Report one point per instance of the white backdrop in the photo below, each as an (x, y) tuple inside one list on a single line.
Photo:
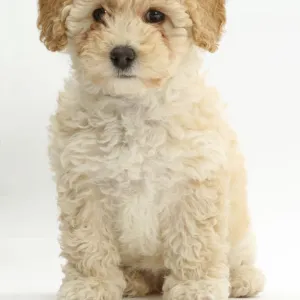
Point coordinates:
[(257, 72)]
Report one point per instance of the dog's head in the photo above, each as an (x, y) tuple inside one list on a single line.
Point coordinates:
[(130, 40)]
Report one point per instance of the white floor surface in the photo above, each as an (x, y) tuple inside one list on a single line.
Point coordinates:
[(52, 297)]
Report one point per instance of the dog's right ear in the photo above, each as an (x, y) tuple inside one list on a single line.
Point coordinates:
[(51, 22)]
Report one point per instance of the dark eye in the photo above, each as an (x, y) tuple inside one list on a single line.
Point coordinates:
[(98, 14), (154, 16)]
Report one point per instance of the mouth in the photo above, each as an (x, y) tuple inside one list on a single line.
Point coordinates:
[(125, 76)]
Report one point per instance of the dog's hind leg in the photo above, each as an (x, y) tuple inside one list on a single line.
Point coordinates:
[(140, 283), (245, 279)]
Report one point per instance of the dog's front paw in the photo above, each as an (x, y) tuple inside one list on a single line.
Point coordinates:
[(91, 288), (212, 289)]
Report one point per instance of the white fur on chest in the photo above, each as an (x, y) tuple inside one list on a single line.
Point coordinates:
[(138, 168)]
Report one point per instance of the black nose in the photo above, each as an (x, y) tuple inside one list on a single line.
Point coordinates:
[(122, 57)]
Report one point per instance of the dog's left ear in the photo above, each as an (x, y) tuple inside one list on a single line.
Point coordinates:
[(209, 18)]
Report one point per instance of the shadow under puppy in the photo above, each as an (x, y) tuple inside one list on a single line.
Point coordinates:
[(151, 184)]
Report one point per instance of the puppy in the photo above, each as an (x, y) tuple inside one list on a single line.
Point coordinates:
[(150, 180)]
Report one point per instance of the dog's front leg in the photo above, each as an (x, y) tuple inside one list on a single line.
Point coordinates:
[(88, 245), (194, 234)]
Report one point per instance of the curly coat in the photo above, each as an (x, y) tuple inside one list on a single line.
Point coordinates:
[(150, 180)]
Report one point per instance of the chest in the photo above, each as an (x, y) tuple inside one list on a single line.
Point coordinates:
[(139, 164), (135, 150)]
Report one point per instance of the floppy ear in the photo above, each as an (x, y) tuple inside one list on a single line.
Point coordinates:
[(209, 17), (51, 22)]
